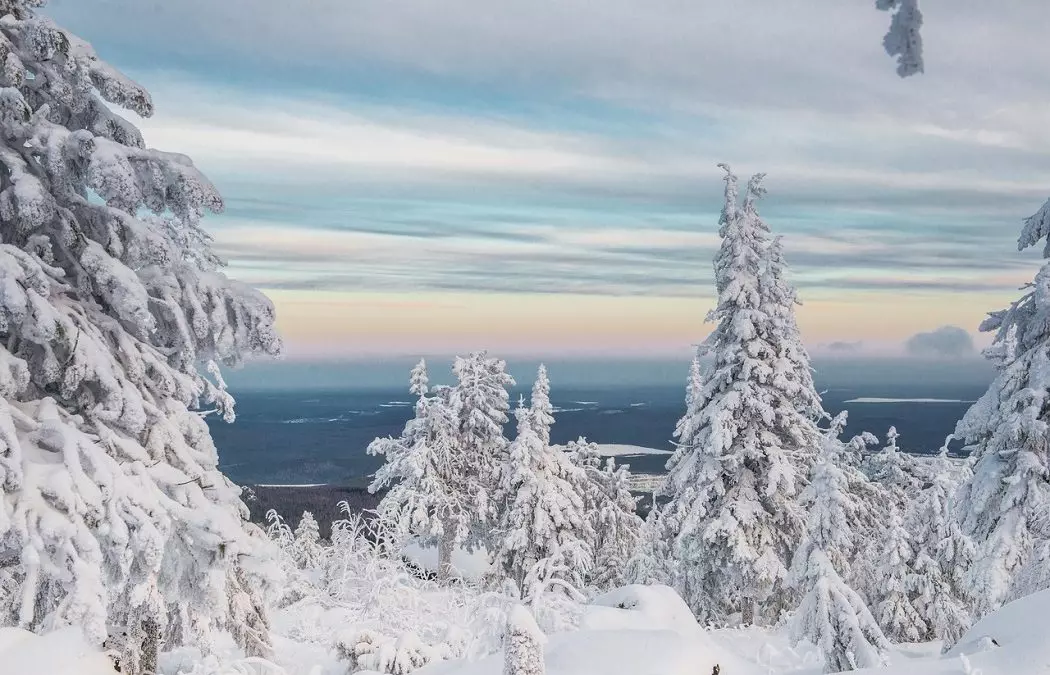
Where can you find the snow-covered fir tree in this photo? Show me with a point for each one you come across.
(426, 475)
(897, 614)
(545, 514)
(540, 405)
(611, 510)
(1004, 505)
(309, 551)
(115, 318)
(481, 403)
(832, 615)
(523, 644)
(748, 434)
(942, 554)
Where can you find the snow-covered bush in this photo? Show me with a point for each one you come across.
(114, 318)
(368, 650)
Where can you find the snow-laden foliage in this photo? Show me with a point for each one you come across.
(540, 405)
(611, 510)
(748, 434)
(545, 512)
(903, 40)
(427, 474)
(523, 644)
(1004, 506)
(114, 321)
(942, 554)
(897, 614)
(481, 403)
(832, 615)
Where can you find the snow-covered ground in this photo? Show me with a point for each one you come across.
(637, 630)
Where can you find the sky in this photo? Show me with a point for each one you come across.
(539, 176)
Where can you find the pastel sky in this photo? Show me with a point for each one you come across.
(538, 176)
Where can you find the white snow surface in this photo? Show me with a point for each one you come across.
(635, 630)
(875, 399)
(62, 652)
(620, 450)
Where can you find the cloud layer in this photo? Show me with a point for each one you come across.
(553, 147)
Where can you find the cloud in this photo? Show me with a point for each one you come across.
(843, 347)
(946, 342)
(396, 146)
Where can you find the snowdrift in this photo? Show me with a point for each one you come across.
(1015, 639)
(635, 630)
(62, 652)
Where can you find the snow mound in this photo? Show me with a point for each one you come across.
(1010, 640)
(640, 608)
(61, 652)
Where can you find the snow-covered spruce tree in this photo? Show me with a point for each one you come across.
(898, 472)
(1004, 505)
(114, 321)
(309, 552)
(650, 561)
(942, 553)
(896, 612)
(832, 615)
(611, 510)
(748, 434)
(540, 405)
(523, 644)
(481, 402)
(425, 474)
(545, 514)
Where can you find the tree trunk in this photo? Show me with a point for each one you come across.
(747, 611)
(150, 645)
(445, 546)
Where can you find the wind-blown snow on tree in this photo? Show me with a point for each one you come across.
(426, 474)
(1004, 505)
(114, 320)
(545, 514)
(832, 615)
(309, 552)
(748, 433)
